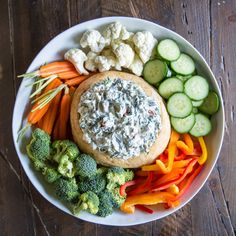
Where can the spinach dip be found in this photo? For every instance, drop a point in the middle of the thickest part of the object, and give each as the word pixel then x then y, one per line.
pixel 118 118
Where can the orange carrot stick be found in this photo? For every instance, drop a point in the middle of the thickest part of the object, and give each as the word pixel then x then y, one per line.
pixel 77 80
pixel 64 114
pixel 50 116
pixel 68 74
pixel 72 90
pixel 35 115
pixel 55 133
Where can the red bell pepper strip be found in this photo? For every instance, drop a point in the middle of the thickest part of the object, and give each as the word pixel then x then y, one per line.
pixel 145 209
pixel 143 187
pixel 128 184
pixel 188 170
pixel 180 157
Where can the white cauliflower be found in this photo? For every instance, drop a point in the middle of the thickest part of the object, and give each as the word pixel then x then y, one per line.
pixel 144 43
pixel 111 56
pixel 94 40
pixel 104 63
pixel 77 57
pixel 90 62
pixel 116 31
pixel 124 54
pixel 137 66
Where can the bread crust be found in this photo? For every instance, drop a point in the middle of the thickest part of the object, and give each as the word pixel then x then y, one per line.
pixel 102 158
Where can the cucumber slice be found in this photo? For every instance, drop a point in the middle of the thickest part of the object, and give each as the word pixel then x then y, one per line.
pixel 168 50
pixel 154 71
pixel 170 86
pixel 179 105
pixel 201 127
pixel 197 103
pixel 183 125
pixel 197 88
pixel 210 104
pixel 183 77
pixel 195 110
pixel 184 65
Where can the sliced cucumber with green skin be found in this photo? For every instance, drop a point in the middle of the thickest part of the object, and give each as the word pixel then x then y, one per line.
pixel 197 103
pixel 168 49
pixel 154 71
pixel 202 126
pixel 170 86
pixel 195 110
pixel 184 77
pixel 179 105
pixel 197 87
pixel 183 125
pixel 210 104
pixel 184 65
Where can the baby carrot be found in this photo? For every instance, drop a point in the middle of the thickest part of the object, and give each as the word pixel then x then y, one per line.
pixel 64 113
pixel 50 117
pixel 68 74
pixel 77 80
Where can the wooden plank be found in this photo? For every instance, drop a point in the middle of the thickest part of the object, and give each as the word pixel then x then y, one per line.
pixel 223 27
pixel 15 207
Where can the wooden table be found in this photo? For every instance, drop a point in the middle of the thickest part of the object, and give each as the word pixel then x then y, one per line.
pixel 26 26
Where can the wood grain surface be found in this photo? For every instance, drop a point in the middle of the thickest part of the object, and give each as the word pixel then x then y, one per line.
pixel 26 26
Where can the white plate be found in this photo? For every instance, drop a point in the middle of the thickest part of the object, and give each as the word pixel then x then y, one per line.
pixel 54 50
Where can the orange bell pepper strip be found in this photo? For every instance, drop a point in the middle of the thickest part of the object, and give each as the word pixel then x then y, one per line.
pixel 176 164
pixel 146 199
pixel 171 154
pixel 202 159
pixel 174 189
pixel 187 146
pixel 187 170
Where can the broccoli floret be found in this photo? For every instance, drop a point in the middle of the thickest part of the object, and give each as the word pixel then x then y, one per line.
pixel 117 199
pixel 95 184
pixel 50 174
pixel 67 190
pixel 64 147
pixel 88 201
pixel 105 205
pixel 38 165
pixel 39 147
pixel 102 170
pixel 117 176
pixel 66 167
pixel 86 166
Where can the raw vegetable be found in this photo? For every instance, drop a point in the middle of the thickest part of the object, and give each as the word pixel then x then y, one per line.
pixel 88 201
pixel 197 103
pixel 184 65
pixel 145 209
pixel 77 80
pixel 105 204
pixel 210 104
pixel 168 50
pixel 179 105
pixel 202 159
pixel 170 86
pixel 183 125
pixel 49 69
pixel 197 88
pixel 154 71
pixel 202 126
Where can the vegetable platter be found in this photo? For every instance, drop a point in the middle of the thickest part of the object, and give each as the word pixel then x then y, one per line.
pixel 194 104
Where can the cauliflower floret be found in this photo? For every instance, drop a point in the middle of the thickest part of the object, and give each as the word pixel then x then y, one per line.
pixel 94 40
pixel 77 57
pixel 145 43
pixel 116 31
pixel 124 54
pixel 90 62
pixel 104 63
pixel 137 66
pixel 111 56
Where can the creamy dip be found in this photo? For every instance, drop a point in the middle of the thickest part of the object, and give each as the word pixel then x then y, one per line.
pixel 118 118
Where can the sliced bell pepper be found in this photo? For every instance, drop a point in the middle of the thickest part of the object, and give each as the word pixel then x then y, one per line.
pixel 145 199
pixel 186 146
pixel 145 209
pixel 142 188
pixel 180 157
pixel 188 170
pixel 128 184
pixel 202 159
pixel 174 189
